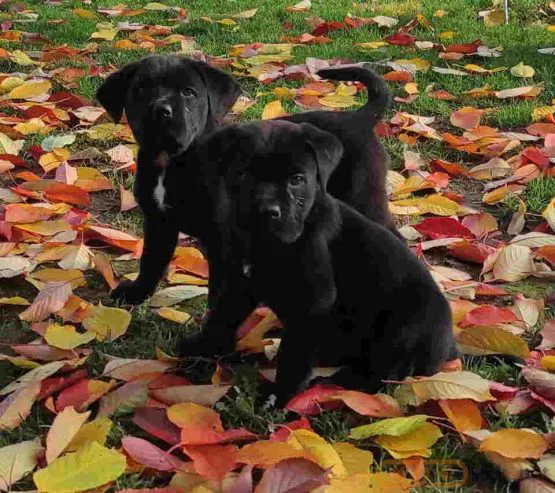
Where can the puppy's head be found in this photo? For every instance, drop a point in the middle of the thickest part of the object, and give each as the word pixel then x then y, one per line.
pixel 169 100
pixel 275 172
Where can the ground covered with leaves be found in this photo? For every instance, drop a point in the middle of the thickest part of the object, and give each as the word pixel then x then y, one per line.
pixel 91 396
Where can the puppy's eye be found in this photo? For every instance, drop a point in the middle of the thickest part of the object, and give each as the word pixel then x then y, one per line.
pixel 296 180
pixel 187 92
pixel 241 176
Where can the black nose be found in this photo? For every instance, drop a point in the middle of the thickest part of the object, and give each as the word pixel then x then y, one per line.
pixel 270 211
pixel 163 112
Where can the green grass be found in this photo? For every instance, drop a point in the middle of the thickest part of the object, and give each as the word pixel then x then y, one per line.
pixel 520 40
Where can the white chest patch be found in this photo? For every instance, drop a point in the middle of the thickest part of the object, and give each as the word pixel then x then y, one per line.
pixel 159 192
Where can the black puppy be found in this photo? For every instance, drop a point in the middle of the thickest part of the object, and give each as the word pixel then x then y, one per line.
pixel 346 289
pixel 171 104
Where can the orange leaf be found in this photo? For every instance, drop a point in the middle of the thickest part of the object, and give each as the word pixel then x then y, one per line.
pixel 463 414
pixel 213 461
pixel 189 415
pixel 62 192
pixel 377 405
pixel 467 117
pixel 267 453
pixel 515 444
pixel 26 213
pixel 193 264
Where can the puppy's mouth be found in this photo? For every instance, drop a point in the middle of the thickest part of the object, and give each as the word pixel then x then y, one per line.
pixel 284 232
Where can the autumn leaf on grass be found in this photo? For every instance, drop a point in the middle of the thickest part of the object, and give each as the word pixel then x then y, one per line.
pixel 392 427
pixel 94 431
pixel 15 408
pixel 267 453
pixel 107 323
pixel 293 475
pixel 82 394
pixel 14 266
pixel 318 449
pixel 415 443
pixel 124 399
pixel 205 395
pixel 213 461
pixel 150 455
pixel 101 263
pixel 548 335
pixel 353 458
pixel 176 294
pixel 273 110
pixel 513 263
pixel 65 426
pixel 453 385
pixel 154 421
pixel 18 460
pixel 466 117
pixel 36 375
pixel 464 414
pixel 377 405
pixel 540 381
pixel 173 315
pixel 30 89
pixel 521 70
pixel 379 482
pixel 515 444
pixel 481 340
pixel 127 200
pixel 128 369
pixel 88 468
pixel 66 337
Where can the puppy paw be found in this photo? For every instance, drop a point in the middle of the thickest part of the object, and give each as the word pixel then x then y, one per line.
pixel 200 344
pixel 130 293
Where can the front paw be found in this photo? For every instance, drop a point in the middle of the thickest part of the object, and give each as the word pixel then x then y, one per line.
pixel 201 344
pixel 130 292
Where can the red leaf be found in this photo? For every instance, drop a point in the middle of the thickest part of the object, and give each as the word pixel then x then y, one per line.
pixel 464 48
pixel 326 27
pixel 490 290
pixel 471 252
pixel 62 192
pixel 378 405
pixel 50 299
pixel 155 421
pixel 82 394
pixel 443 227
pixel 536 156
pixel 399 76
pixel 51 385
pixel 502 392
pixel 541 129
pixel 213 461
pixel 547 253
pixel 488 315
pixel 68 100
pixel 401 39
pixel 310 402
pixel 149 455
pixel 207 436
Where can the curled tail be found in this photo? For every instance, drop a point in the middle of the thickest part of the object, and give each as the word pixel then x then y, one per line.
pixel 378 94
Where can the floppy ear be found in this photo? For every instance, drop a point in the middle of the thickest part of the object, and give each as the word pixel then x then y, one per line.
pixel 327 149
pixel 222 90
pixel 111 94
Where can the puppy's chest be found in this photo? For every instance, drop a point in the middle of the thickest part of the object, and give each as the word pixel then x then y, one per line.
pixel 159 194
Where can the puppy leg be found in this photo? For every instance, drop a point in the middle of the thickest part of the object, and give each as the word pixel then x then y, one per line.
pixel 160 240
pixel 230 305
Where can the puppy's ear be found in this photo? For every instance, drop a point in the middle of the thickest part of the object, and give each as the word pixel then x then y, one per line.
pixel 326 147
pixel 111 94
pixel 222 90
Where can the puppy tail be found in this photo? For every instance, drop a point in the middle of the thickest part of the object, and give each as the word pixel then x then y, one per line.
pixel 378 94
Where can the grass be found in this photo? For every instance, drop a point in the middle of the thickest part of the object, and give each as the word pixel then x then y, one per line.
pixel 520 41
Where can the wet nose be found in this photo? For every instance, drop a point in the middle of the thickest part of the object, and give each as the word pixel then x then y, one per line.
pixel 270 211
pixel 163 112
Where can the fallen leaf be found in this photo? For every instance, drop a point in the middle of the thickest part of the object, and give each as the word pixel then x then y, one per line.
pixel 88 468
pixel 415 443
pixel 124 399
pixel 464 414
pixel 94 431
pixel 515 444
pixel 64 427
pixel 492 340
pixel 273 110
pixel 513 263
pixel 293 475
pixel 66 337
pixel 392 427
pixel 107 323
pixel 176 294
pixel 521 70
pixel 18 460
pixel 206 395
pixel 15 408
pixel 150 455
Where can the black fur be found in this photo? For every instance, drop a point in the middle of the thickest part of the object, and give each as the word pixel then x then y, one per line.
pixel 348 292
pixel 171 104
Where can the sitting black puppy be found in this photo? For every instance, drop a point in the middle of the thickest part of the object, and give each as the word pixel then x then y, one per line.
pixel 171 104
pixel 346 289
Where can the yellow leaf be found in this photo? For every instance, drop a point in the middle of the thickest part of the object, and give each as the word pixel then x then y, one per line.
pixel 179 278
pixel 46 228
pixel 64 427
pixel 88 468
pixel 411 88
pixel 464 414
pixel 380 482
pixel 447 35
pixel 95 431
pixel 173 315
pixel 337 101
pixel 32 126
pixel 76 257
pixel 322 452
pixel 14 300
pixel 541 112
pixel 273 110
pixel 105 34
pixel 9 146
pixel 492 340
pixel 414 64
pixel 500 193
pixel 190 415
pixel 549 214
pixel 84 14
pixel 494 17
pixel 155 6
pixel 21 58
pixel 10 83
pixel 550 28
pixel 391 426
pixel 18 460
pixel 345 90
pixel 51 160
pixel 30 89
pixel 444 385
pixel 227 22
pixel 354 459
pixel 372 45
pixel 66 337
pixel 416 443
pixel 432 204
pixel 75 277
pixel 104 131
pixel 521 70
pixel 515 444
pixel 548 362
pixel 107 323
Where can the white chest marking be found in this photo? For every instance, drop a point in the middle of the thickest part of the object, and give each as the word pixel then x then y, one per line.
pixel 159 192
